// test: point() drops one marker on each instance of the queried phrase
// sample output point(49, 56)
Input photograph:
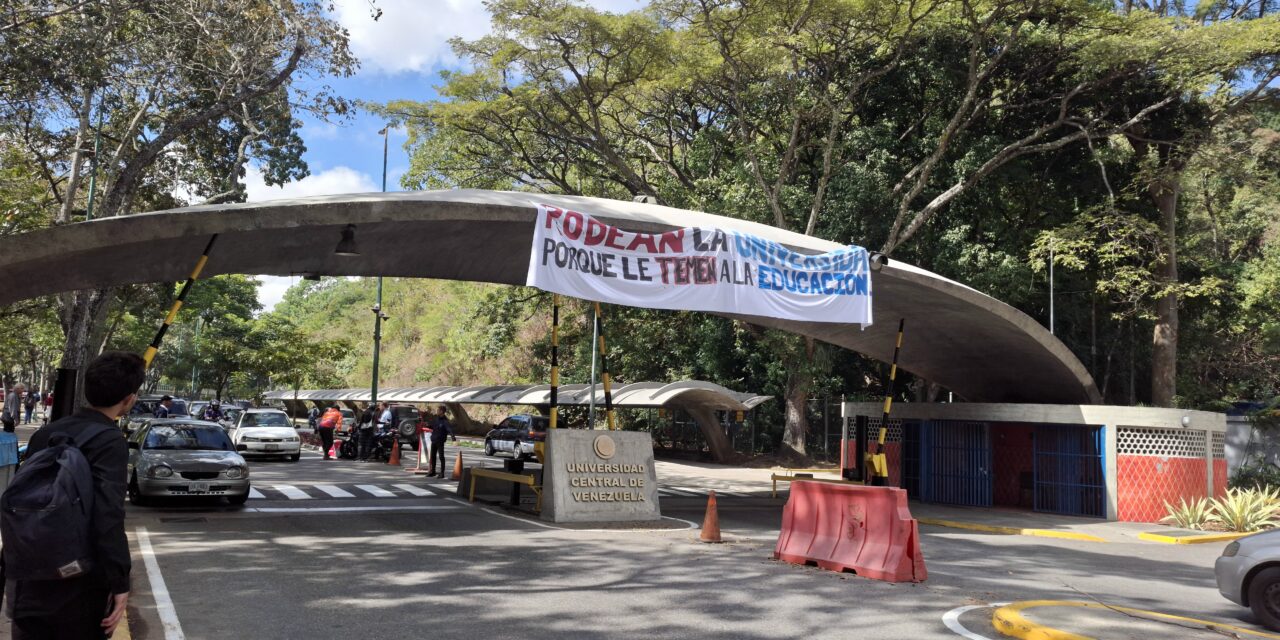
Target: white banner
point(696, 269)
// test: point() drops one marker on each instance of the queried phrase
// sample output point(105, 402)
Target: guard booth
point(1117, 463)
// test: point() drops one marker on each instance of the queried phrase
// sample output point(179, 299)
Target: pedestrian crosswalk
point(336, 492)
point(280, 491)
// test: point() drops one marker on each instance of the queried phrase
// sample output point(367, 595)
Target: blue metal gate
point(1069, 470)
point(956, 462)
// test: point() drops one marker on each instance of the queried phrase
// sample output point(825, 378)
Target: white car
point(266, 432)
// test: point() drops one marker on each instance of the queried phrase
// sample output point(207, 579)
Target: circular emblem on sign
point(605, 448)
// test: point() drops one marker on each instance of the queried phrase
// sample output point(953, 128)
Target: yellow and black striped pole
point(151, 351)
point(555, 355)
point(879, 465)
point(604, 370)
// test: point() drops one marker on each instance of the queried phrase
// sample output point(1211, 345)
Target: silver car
point(1248, 573)
point(183, 457)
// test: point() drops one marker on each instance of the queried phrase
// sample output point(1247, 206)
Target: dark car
point(405, 420)
point(145, 409)
point(517, 435)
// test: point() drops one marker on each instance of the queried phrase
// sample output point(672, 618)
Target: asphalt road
point(321, 564)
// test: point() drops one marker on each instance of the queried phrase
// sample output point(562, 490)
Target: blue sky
point(401, 57)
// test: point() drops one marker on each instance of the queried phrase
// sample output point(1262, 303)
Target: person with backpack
point(30, 404)
point(325, 428)
point(66, 558)
point(313, 415)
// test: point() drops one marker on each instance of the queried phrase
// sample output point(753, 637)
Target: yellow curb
point(1200, 539)
point(1010, 621)
point(1012, 531)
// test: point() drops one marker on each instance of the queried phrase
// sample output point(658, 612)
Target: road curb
point(1194, 539)
point(1008, 620)
point(1012, 531)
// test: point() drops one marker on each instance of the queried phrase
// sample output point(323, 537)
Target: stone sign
point(599, 476)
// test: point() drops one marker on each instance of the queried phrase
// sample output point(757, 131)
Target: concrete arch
point(978, 347)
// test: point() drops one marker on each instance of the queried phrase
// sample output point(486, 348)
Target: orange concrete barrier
point(867, 530)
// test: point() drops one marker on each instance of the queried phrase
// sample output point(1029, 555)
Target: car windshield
point(189, 437)
point(270, 419)
point(179, 408)
point(232, 414)
point(347, 414)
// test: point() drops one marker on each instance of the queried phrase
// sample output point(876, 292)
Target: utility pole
point(378, 316)
point(595, 336)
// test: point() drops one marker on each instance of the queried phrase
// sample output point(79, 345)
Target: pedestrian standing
point(313, 415)
point(440, 430)
point(12, 410)
point(368, 425)
point(325, 428)
point(90, 598)
point(30, 404)
point(165, 406)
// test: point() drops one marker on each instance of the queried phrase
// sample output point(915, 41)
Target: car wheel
point(135, 493)
point(1264, 597)
point(488, 447)
point(295, 457)
point(240, 499)
point(516, 451)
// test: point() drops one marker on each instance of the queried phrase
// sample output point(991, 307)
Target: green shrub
point(1189, 515)
point(1256, 476)
point(1246, 510)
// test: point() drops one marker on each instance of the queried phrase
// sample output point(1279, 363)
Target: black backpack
point(46, 513)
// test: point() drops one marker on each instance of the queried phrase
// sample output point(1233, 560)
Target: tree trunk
point(797, 397)
point(1164, 340)
point(80, 312)
point(717, 442)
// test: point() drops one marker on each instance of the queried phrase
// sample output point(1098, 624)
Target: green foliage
point(1246, 510)
point(1189, 515)
point(1256, 476)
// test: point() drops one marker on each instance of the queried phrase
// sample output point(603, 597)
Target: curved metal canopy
point(978, 347)
point(637, 395)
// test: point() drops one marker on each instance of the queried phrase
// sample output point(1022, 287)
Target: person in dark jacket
point(166, 405)
point(440, 430)
point(92, 605)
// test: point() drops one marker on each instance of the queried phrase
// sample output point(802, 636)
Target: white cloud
point(413, 35)
point(329, 182)
point(332, 181)
point(272, 290)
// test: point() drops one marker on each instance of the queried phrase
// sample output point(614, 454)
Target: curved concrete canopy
point(628, 396)
point(968, 342)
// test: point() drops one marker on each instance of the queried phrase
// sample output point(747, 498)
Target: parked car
point(517, 435)
point(184, 457)
point(404, 419)
point(266, 432)
point(1248, 573)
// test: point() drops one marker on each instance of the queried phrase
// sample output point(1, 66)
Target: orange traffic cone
point(457, 466)
point(711, 522)
point(333, 451)
point(395, 454)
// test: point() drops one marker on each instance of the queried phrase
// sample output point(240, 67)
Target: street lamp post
point(378, 316)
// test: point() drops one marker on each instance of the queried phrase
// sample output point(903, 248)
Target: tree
point(287, 355)
point(175, 96)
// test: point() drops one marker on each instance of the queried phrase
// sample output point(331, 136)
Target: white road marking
point(291, 492)
point(417, 491)
point(335, 491)
point(952, 620)
point(375, 491)
point(682, 491)
point(159, 592)
point(255, 494)
point(306, 510)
